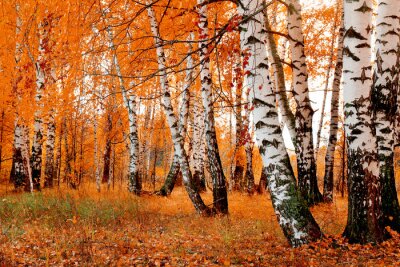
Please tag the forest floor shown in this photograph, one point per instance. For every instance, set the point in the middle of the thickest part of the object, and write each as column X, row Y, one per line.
column 113, row 228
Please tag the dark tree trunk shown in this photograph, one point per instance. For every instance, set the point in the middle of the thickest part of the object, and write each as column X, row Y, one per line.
column 249, row 176
column 107, row 151
column 390, row 202
column 172, row 176
column 36, row 161
column 106, row 167
column 359, row 227
column 18, row 175
column 262, row 185
column 200, row 181
column 238, row 175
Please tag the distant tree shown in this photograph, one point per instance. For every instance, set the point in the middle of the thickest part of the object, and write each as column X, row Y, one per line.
column 333, row 131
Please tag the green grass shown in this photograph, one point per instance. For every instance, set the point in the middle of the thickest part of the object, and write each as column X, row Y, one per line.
column 54, row 211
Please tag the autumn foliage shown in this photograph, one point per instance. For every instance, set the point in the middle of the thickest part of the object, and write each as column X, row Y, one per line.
column 81, row 83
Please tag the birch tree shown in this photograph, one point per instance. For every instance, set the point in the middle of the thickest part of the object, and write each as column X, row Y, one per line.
column 239, row 161
column 178, row 140
column 135, row 185
column 384, row 96
column 293, row 215
column 249, row 145
column 306, row 165
column 173, row 173
column 330, row 153
column 220, row 196
column 288, row 118
column 199, row 149
column 364, row 184
column 40, row 72
column 19, row 176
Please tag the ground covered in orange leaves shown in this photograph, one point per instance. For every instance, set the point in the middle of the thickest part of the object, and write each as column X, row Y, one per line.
column 113, row 228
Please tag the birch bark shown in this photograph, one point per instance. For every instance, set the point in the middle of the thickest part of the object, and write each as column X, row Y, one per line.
column 293, row 215
column 135, row 185
column 306, row 165
column 178, row 141
column 288, row 118
column 384, row 96
column 239, row 158
column 18, row 175
column 364, row 185
column 199, row 149
column 330, row 153
column 174, row 171
column 40, row 70
column 220, row 195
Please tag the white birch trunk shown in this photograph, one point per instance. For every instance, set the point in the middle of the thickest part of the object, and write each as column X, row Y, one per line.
column 174, row 170
column 237, row 81
column 199, row 149
column 384, row 96
column 330, row 152
column 337, row 21
column 18, row 172
column 40, row 71
column 29, row 185
column 172, row 120
column 135, row 185
column 306, row 165
column 365, row 207
column 293, row 215
column 219, row 183
column 279, row 78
